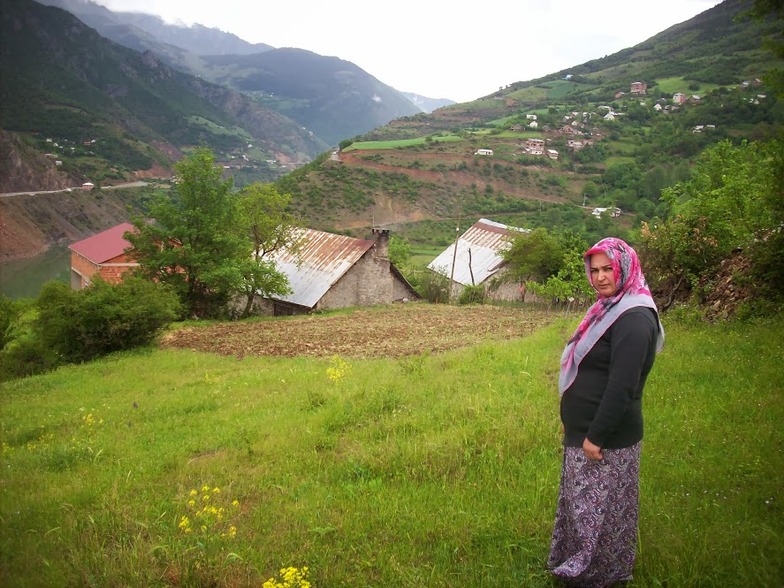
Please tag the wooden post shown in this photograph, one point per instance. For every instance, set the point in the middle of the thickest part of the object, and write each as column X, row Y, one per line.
column 454, row 259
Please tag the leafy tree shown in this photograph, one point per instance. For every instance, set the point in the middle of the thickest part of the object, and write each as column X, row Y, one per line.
column 590, row 190
column 534, row 254
column 767, row 260
column 732, row 202
column 623, row 176
column 569, row 285
column 726, row 187
column 196, row 244
column 772, row 9
column 435, row 286
column 399, row 251
column 264, row 215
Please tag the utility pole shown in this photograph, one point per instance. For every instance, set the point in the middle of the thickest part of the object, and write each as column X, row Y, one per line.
column 454, row 259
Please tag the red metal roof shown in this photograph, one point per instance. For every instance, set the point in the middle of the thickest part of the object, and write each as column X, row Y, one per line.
column 105, row 245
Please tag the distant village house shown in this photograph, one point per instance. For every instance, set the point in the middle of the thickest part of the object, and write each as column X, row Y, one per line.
column 639, row 88
column 599, row 212
column 534, row 146
column 105, row 254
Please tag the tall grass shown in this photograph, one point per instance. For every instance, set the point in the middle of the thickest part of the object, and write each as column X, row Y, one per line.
column 434, row 470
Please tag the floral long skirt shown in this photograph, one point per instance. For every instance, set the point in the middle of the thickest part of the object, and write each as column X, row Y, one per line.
column 595, row 533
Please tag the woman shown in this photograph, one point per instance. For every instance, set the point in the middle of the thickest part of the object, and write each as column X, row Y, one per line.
column 603, row 371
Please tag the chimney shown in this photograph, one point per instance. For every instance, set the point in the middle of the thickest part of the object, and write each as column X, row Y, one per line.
column 381, row 247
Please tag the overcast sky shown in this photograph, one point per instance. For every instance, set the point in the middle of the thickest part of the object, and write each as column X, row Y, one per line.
column 437, row 48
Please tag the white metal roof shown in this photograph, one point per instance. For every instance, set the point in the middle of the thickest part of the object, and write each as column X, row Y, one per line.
column 322, row 260
column 478, row 252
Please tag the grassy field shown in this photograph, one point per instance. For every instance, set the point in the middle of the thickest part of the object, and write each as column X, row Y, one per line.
column 173, row 467
column 680, row 84
column 400, row 143
column 422, row 255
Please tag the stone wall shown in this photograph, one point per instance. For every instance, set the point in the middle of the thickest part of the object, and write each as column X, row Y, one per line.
column 497, row 289
column 370, row 281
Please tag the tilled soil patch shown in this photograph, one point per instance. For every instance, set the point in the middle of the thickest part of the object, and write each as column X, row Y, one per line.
column 395, row 331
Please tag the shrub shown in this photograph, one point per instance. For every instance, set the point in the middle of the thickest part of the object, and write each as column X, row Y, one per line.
column 434, row 287
column 472, row 295
column 26, row 356
column 9, row 311
column 103, row 318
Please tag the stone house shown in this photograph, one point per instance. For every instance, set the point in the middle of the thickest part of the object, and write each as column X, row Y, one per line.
column 476, row 258
column 105, row 254
column 331, row 271
column 615, row 212
column 639, row 88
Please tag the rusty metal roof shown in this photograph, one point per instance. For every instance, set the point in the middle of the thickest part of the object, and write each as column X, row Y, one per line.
column 322, row 260
column 105, row 245
column 478, row 252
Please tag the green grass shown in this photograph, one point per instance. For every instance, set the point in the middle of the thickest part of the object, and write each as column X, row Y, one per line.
column 217, row 129
column 400, row 143
column 561, row 88
column 681, row 84
column 423, row 254
column 435, row 470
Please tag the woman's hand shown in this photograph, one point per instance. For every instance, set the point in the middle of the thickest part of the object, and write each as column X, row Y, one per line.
column 591, row 451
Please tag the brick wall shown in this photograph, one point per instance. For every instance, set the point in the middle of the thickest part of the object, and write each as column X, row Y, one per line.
column 83, row 270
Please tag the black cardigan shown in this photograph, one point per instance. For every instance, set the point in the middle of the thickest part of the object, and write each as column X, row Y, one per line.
column 604, row 403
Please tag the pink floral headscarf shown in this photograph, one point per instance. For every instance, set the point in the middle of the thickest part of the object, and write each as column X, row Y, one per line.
column 632, row 291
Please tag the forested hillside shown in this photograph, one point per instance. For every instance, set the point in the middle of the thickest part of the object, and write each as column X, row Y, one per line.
column 105, row 111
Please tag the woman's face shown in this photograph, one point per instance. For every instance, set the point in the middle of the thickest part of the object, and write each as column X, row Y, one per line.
column 602, row 274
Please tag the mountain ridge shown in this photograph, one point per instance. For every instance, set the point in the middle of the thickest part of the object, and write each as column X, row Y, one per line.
column 62, row 80
column 195, row 49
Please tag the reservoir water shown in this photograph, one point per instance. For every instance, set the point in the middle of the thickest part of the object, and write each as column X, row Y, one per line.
column 23, row 278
